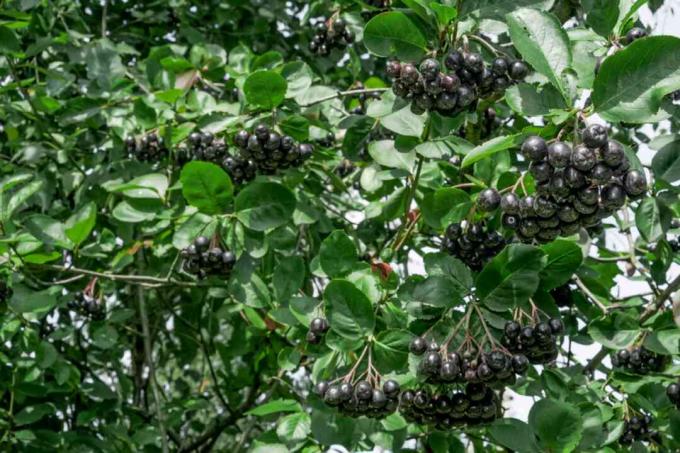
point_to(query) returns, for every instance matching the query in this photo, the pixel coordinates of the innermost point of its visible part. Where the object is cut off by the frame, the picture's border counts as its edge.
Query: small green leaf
(444, 206)
(543, 43)
(615, 331)
(654, 64)
(666, 161)
(288, 277)
(32, 414)
(337, 254)
(445, 13)
(274, 407)
(391, 350)
(384, 153)
(207, 187)
(48, 230)
(394, 34)
(564, 257)
(404, 122)
(294, 427)
(491, 147)
(558, 425)
(264, 205)
(350, 313)
(80, 225)
(511, 277)
(652, 218)
(265, 89)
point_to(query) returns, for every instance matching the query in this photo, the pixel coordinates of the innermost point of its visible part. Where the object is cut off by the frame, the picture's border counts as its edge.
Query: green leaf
(274, 407)
(491, 147)
(294, 427)
(145, 115)
(602, 15)
(664, 341)
(564, 257)
(80, 225)
(435, 290)
(615, 331)
(104, 63)
(337, 254)
(404, 122)
(390, 350)
(511, 277)
(445, 13)
(444, 206)
(288, 277)
(652, 219)
(444, 264)
(653, 64)
(543, 43)
(533, 100)
(265, 89)
(350, 313)
(207, 187)
(264, 205)
(514, 434)
(384, 153)
(26, 301)
(497, 9)
(48, 230)
(46, 355)
(8, 41)
(394, 34)
(151, 186)
(18, 198)
(558, 425)
(32, 414)
(197, 225)
(666, 161)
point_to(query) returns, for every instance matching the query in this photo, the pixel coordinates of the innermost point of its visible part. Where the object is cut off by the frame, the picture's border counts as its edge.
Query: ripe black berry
(559, 154)
(634, 34)
(418, 346)
(534, 148)
(635, 183)
(595, 136)
(489, 200)
(518, 70)
(583, 158)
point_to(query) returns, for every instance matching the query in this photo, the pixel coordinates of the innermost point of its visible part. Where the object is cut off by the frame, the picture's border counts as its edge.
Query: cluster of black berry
(202, 260)
(574, 187)
(363, 99)
(470, 79)
(149, 148)
(493, 366)
(639, 429)
(473, 243)
(537, 342)
(449, 409)
(639, 360)
(361, 398)
(87, 305)
(202, 146)
(317, 329)
(673, 392)
(330, 34)
(270, 151)
(5, 291)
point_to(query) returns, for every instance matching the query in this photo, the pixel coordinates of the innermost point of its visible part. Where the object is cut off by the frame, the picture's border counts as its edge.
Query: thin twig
(590, 295)
(340, 94)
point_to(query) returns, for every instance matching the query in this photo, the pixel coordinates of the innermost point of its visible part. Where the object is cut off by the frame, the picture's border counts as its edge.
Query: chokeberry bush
(411, 226)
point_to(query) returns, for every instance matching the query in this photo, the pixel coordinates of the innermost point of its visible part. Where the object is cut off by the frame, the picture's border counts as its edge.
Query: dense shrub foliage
(279, 226)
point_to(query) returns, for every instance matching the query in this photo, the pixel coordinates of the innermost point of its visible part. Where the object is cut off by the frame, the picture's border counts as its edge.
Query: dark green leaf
(337, 254)
(207, 187)
(394, 34)
(558, 425)
(264, 205)
(265, 89)
(349, 311)
(564, 257)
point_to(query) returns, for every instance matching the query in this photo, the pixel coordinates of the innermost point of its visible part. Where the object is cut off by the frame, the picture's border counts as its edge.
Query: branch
(222, 422)
(663, 297)
(590, 295)
(152, 369)
(595, 361)
(144, 280)
(340, 94)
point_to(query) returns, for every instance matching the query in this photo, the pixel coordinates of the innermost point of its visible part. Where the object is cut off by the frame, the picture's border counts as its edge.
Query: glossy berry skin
(500, 66)
(363, 390)
(534, 148)
(635, 183)
(673, 393)
(583, 158)
(454, 60)
(418, 346)
(489, 200)
(429, 68)
(595, 136)
(518, 70)
(391, 388)
(319, 326)
(559, 154)
(393, 69)
(613, 154)
(474, 62)
(509, 203)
